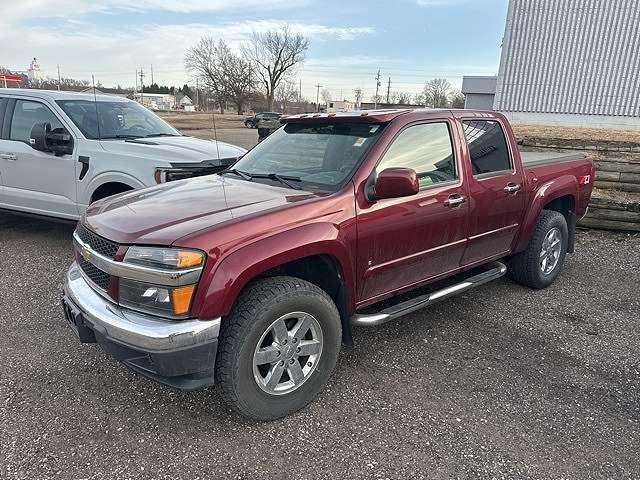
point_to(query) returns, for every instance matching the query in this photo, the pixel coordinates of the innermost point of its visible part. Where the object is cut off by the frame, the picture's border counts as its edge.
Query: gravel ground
(503, 382)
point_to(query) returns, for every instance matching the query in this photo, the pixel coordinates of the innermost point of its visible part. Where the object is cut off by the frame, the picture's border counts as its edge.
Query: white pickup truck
(61, 151)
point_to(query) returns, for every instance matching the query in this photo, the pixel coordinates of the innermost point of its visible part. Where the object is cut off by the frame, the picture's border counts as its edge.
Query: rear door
(405, 241)
(3, 108)
(35, 181)
(496, 194)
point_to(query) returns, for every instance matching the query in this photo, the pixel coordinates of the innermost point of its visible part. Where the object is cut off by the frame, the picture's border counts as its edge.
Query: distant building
(479, 92)
(571, 62)
(34, 73)
(340, 106)
(155, 101)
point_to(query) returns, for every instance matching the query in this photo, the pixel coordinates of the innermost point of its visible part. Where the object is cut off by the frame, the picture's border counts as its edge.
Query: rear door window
(25, 115)
(487, 147)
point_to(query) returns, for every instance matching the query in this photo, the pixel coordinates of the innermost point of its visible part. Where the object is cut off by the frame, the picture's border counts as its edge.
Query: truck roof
(374, 116)
(54, 95)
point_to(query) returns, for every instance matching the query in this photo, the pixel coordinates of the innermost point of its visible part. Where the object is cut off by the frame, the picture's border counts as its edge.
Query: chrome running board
(495, 271)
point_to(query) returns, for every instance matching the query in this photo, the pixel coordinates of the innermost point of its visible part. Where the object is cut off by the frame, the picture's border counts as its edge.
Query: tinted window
(321, 155)
(426, 149)
(25, 115)
(487, 146)
(117, 119)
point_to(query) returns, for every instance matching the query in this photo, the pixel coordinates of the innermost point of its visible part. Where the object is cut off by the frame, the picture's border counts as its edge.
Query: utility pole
(375, 99)
(197, 94)
(318, 86)
(141, 87)
(300, 92)
(388, 89)
(136, 77)
(152, 74)
(59, 77)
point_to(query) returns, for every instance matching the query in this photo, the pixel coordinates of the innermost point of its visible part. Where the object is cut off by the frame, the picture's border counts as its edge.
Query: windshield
(316, 156)
(117, 119)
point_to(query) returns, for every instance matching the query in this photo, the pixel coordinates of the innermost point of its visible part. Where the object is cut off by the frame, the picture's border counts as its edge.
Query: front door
(405, 241)
(35, 181)
(496, 192)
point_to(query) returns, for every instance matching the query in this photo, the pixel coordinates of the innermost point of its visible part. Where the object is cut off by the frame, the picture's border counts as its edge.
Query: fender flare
(234, 271)
(546, 193)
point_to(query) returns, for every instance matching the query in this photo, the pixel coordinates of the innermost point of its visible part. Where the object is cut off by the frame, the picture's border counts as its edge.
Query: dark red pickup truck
(253, 278)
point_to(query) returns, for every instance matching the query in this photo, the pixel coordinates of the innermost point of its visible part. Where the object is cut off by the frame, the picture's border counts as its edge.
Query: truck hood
(162, 214)
(174, 149)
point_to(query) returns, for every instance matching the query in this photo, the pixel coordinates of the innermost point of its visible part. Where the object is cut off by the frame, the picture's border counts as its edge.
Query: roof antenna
(95, 102)
(215, 133)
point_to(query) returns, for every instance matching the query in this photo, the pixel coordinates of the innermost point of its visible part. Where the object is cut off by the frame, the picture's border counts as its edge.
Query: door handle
(454, 200)
(8, 156)
(512, 187)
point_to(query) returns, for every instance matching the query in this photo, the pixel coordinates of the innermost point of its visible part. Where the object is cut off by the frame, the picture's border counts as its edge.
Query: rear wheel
(540, 264)
(277, 348)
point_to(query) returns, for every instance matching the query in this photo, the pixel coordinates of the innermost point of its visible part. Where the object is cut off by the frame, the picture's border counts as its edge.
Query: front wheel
(540, 264)
(277, 348)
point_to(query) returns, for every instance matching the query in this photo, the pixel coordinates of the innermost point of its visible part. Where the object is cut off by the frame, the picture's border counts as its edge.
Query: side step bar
(495, 271)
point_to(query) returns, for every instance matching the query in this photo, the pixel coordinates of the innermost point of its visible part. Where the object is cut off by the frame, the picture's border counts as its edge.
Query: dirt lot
(503, 382)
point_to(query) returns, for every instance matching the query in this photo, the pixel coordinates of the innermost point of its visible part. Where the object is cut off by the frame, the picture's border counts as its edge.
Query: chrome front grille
(98, 244)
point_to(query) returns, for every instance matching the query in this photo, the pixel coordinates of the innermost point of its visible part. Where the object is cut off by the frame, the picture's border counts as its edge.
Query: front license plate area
(75, 319)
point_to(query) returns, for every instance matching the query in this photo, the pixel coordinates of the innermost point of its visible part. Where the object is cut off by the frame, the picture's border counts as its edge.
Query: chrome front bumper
(177, 352)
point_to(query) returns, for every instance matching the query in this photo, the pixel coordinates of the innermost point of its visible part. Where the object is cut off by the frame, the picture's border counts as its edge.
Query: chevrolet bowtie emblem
(85, 251)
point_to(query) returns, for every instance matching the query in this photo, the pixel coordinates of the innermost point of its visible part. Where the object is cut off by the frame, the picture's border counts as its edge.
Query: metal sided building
(571, 62)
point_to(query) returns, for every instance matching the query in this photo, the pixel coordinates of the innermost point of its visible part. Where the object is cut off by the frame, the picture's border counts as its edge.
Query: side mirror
(396, 182)
(58, 141)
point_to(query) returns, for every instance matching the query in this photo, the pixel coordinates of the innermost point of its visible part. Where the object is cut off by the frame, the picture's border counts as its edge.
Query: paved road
(503, 382)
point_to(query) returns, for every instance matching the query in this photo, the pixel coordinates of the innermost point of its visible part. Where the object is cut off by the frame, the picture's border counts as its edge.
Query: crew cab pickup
(60, 151)
(253, 278)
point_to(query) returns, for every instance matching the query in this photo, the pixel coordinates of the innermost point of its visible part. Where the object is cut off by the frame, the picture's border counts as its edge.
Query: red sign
(10, 78)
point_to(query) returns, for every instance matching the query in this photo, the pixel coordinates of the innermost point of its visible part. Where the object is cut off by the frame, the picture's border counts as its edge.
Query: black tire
(258, 306)
(525, 267)
(249, 124)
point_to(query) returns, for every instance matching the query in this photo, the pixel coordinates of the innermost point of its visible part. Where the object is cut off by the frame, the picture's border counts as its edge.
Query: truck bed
(532, 159)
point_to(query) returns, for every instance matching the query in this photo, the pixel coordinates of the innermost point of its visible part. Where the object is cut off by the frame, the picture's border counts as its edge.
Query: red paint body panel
(381, 247)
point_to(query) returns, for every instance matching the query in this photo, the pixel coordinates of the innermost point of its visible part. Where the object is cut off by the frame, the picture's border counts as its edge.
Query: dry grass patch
(576, 133)
(202, 120)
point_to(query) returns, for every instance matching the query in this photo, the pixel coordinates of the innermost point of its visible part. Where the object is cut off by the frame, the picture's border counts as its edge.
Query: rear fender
(546, 193)
(234, 271)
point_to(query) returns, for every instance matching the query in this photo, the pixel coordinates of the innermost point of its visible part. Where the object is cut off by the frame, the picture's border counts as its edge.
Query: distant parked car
(252, 122)
(61, 151)
(266, 126)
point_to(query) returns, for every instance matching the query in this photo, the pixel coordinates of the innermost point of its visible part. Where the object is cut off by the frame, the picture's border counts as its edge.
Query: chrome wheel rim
(550, 253)
(287, 353)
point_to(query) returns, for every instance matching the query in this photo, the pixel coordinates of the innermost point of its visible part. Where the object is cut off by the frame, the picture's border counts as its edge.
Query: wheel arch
(325, 263)
(559, 194)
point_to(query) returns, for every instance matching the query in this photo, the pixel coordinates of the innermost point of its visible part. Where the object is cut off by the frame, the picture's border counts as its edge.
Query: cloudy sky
(410, 41)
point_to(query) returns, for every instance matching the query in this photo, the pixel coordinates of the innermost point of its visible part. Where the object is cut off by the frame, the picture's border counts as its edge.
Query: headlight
(171, 258)
(160, 300)
(157, 299)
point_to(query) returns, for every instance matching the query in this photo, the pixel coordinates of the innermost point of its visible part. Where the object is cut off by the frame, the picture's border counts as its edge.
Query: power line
(375, 100)
(318, 86)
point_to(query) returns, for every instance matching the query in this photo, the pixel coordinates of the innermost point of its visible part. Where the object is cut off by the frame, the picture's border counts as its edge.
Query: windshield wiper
(280, 178)
(108, 137)
(162, 135)
(240, 173)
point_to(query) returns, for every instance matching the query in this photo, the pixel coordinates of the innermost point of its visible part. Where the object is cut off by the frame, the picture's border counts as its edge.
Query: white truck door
(35, 181)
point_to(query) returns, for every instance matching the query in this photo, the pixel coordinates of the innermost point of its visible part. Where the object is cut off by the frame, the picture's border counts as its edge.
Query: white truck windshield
(116, 120)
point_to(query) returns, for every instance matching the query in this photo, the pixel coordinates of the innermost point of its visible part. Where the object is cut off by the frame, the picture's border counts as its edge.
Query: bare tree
(228, 76)
(456, 99)
(358, 94)
(275, 54)
(436, 92)
(403, 98)
(285, 93)
(325, 95)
